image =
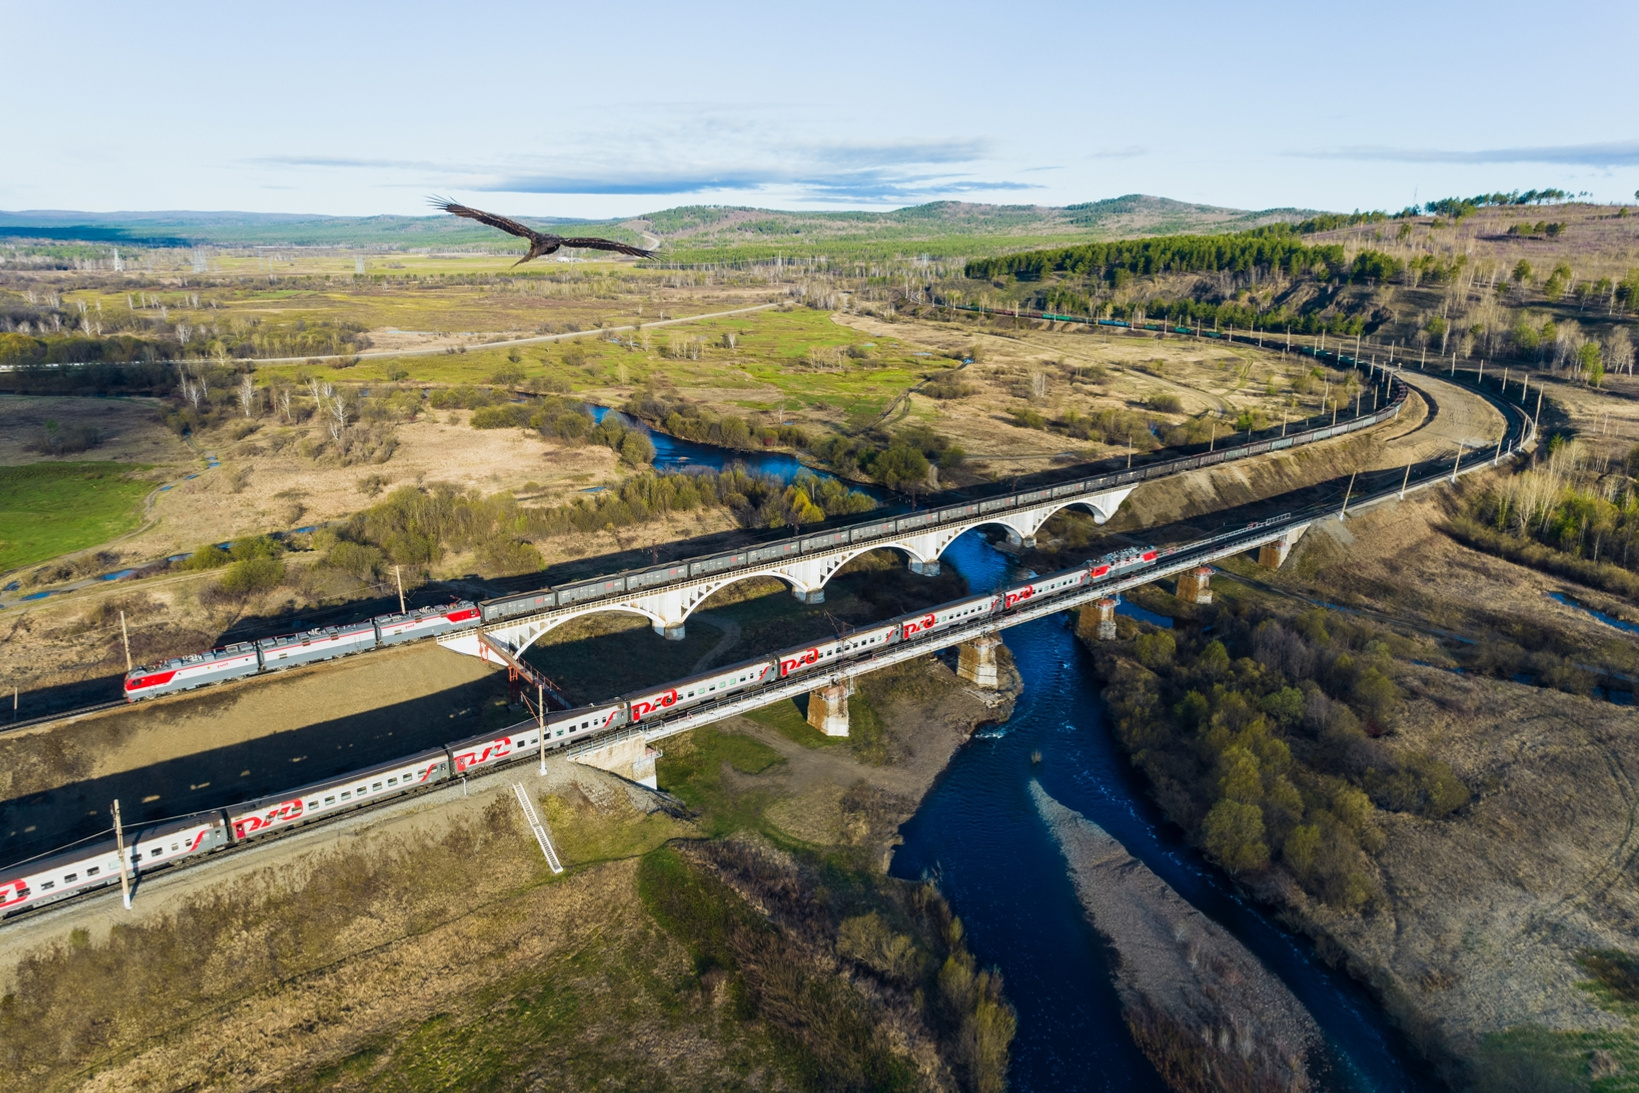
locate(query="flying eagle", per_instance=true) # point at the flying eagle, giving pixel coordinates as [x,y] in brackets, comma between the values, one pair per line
[539,242]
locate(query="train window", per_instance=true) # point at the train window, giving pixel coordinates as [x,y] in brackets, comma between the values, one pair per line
[71,878]
[330,800]
[376,786]
[156,852]
[93,871]
[47,885]
[347,795]
[392,781]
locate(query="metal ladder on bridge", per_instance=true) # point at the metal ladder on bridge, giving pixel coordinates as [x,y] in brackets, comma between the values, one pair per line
[537,827]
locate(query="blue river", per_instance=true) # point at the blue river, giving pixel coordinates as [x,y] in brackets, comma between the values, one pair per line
[979,835]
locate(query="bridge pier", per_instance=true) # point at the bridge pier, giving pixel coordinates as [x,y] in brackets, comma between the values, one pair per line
[828,708]
[976,662]
[670,632]
[925,569]
[1106,618]
[802,596]
[1195,585]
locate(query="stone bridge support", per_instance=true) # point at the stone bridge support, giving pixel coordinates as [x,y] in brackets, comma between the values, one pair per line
[976,662]
[1106,618]
[1195,585]
[828,708]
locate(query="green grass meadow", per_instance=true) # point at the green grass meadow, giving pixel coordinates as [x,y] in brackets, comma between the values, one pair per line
[47,509]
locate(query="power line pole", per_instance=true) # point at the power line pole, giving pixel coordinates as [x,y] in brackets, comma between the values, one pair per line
[1344,511]
[400,582]
[540,721]
[125,635]
[119,843]
[1405,480]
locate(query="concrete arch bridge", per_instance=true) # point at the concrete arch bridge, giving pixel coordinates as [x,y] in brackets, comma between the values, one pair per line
[808,566]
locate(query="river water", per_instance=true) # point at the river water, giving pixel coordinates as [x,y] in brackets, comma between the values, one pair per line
[995,860]
[674,454]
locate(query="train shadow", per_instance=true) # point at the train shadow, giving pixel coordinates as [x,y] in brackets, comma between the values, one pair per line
[218,777]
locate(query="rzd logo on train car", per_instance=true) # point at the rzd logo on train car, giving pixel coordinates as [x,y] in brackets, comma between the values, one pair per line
[279,814]
[916,626]
[801,660]
[647,706]
[13,892]
[495,749]
[1021,595]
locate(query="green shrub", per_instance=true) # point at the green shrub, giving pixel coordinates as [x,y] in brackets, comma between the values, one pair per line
[361,560]
[206,557]
[255,574]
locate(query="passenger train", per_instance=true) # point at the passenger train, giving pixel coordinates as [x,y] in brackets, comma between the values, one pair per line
[246,658]
[154,846]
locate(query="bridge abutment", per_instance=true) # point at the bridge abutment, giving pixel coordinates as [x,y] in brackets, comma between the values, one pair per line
[1273,554]
[630,758]
[828,708]
[976,662]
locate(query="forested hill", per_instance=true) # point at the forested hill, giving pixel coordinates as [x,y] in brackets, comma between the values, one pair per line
[690,230]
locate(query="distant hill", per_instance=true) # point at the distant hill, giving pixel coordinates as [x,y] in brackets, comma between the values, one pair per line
[691,232]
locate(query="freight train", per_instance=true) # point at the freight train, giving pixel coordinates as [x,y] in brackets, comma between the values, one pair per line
[154,846]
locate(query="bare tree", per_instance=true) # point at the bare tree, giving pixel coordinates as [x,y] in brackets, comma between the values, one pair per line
[339,409]
[247,394]
[1619,350]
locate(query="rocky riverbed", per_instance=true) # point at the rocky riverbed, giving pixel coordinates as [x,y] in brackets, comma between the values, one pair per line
[1203,1009]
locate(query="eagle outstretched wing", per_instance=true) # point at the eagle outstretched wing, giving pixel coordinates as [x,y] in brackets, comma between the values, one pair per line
[594,243]
[539,242]
[511,227]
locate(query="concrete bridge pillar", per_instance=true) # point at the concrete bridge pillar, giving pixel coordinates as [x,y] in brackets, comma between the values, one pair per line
[925,569]
[828,708]
[805,596]
[670,631]
[976,661]
[1106,618]
[1272,555]
[1195,585]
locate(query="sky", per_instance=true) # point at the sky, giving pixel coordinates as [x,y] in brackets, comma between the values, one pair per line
[609,109]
